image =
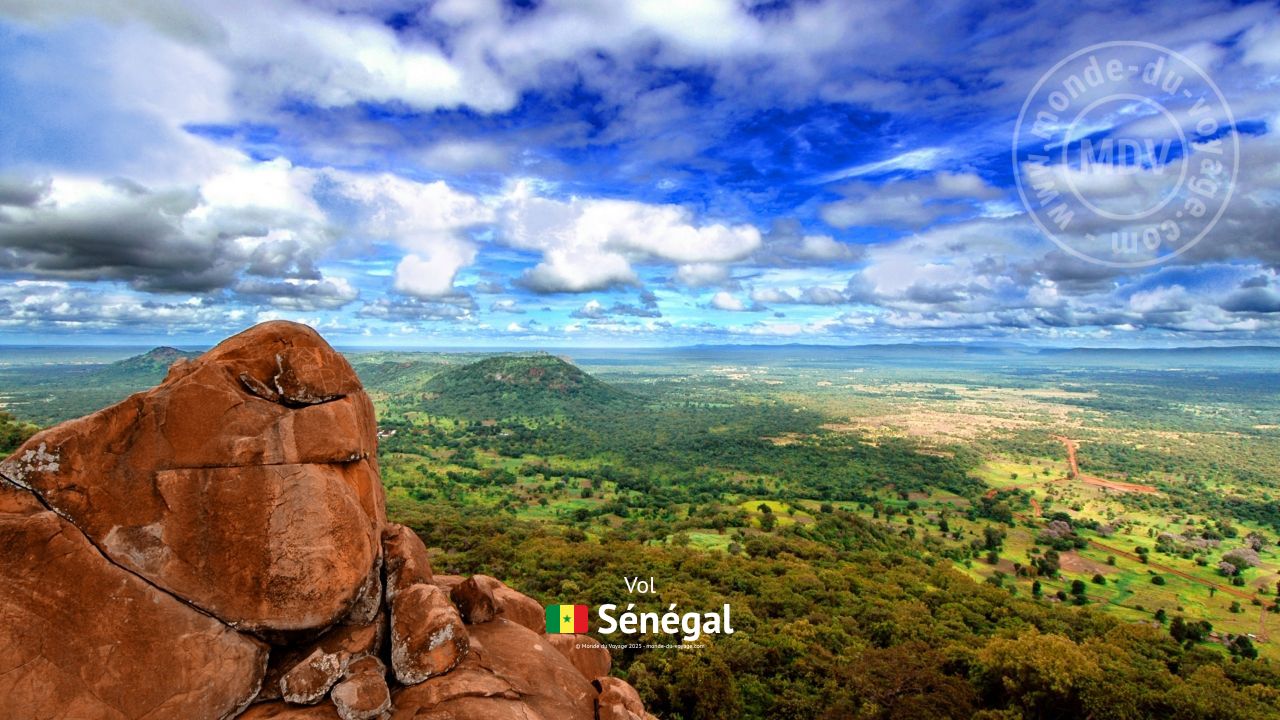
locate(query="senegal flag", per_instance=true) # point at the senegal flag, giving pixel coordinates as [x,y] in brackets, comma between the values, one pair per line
[566,618]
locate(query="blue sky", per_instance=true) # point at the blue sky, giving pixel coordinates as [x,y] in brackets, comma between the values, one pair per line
[592,173]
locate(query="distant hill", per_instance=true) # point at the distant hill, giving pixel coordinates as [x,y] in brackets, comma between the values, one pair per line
[513,385]
[143,370]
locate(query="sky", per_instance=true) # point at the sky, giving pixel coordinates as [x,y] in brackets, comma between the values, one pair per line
[592,173]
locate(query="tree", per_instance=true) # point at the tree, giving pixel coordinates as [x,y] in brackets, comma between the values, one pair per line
[1098,579]
[768,521]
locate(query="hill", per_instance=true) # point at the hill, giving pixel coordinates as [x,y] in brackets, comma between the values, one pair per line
[282,620]
[519,385]
[143,370]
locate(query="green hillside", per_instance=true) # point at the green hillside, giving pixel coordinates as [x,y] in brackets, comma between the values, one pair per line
[519,385]
[142,371]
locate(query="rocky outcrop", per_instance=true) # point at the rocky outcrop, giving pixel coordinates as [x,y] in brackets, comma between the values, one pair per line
[584,653]
[263,509]
[81,637]
[511,672]
[481,598]
[217,547]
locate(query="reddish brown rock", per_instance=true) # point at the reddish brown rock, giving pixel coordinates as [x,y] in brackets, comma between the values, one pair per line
[82,638]
[346,641]
[584,652]
[406,558]
[309,681]
[481,598]
[447,582]
[363,693]
[283,711]
[245,484]
[618,701]
[510,673]
[427,634]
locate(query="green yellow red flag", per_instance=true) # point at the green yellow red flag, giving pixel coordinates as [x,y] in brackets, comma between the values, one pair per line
[566,618]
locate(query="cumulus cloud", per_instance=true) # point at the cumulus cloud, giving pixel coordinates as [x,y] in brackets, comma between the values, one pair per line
[506,305]
[412,309]
[429,220]
[595,310]
[54,306]
[698,275]
[787,245]
[590,244]
[253,218]
[724,300]
[909,203]
[299,294]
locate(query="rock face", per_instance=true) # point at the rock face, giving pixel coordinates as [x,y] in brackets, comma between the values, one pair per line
[217,547]
[245,484]
[481,598]
[427,634]
[511,672]
[79,637]
[584,653]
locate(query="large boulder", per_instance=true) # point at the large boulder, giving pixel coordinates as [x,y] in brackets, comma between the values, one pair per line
[245,484]
[427,635]
[511,672]
[345,642]
[82,638]
[216,547]
[618,701]
[363,692]
[584,652]
[407,561]
[481,598]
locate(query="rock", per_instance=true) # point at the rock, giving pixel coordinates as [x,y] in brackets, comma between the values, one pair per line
[407,560]
[447,582]
[369,600]
[481,598]
[82,638]
[309,681]
[618,700]
[584,652]
[510,673]
[220,540]
[265,512]
[363,694]
[348,642]
[283,711]
[427,634]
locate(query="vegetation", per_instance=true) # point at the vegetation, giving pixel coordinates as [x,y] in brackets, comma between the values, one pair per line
[13,433]
[899,534]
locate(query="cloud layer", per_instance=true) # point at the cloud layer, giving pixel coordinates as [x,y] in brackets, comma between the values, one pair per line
[594,172]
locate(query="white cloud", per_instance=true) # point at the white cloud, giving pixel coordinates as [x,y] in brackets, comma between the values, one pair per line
[506,305]
[696,275]
[250,217]
[427,219]
[727,301]
[464,156]
[431,274]
[771,296]
[909,203]
[589,244]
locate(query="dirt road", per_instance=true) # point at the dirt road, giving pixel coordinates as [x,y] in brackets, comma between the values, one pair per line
[1116,485]
[1229,590]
